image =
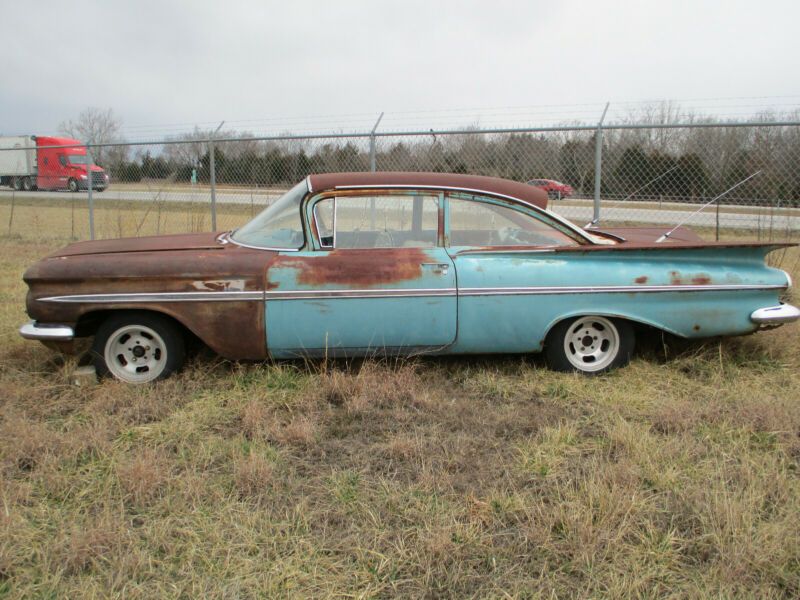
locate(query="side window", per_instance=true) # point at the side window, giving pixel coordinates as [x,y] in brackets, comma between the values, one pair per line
[323,218]
[62,159]
[391,221]
[480,223]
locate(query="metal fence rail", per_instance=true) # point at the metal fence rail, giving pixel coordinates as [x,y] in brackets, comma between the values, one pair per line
[609,174]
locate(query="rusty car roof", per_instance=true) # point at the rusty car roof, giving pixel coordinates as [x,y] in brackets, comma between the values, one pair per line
[476,183]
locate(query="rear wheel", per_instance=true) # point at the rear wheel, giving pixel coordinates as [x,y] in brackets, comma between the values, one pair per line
[16,183]
[138,347]
[590,344]
[27,184]
[72,185]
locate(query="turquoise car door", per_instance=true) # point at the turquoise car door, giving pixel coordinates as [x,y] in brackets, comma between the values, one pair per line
[500,253]
[375,278]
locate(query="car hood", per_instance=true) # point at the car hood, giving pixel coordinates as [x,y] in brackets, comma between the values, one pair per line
[155,243]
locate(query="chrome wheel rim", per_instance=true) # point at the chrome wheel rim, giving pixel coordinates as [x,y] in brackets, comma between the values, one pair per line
[591,343]
[135,354]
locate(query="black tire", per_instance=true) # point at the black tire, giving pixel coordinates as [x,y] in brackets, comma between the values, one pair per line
[579,344]
[156,351]
[72,185]
[16,183]
[27,184]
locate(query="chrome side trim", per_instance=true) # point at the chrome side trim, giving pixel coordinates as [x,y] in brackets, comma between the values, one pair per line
[775,315]
[260,296]
[608,289]
[308,184]
[158,297]
[57,333]
[380,293]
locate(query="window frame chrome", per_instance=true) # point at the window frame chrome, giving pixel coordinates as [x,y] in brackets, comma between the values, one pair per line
[549,214]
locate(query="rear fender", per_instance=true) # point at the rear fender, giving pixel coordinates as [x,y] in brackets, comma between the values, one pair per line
[633,318]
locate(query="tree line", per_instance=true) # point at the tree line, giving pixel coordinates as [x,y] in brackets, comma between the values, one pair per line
[688,163]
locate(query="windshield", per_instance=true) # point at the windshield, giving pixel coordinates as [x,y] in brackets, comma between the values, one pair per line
[279,226]
[76,159]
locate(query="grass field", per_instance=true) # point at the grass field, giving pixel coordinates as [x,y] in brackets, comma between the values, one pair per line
[462,477]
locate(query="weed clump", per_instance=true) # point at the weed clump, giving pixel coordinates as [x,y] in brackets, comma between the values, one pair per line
[374,385]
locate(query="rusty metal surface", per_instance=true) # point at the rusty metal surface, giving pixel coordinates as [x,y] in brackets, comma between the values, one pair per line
[352,267]
[490,185]
[185,241]
[625,246]
[649,234]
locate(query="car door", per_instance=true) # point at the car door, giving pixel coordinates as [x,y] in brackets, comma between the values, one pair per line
[374,277]
[503,259]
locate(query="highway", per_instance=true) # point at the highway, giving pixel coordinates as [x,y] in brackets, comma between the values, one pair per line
[579,211]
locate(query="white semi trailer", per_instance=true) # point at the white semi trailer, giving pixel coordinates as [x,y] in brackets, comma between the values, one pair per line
[18,161]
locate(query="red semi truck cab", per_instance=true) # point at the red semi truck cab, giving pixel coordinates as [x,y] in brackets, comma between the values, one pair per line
[29,163]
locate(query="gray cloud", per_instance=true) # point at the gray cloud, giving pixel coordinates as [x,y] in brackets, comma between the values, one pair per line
[165,63]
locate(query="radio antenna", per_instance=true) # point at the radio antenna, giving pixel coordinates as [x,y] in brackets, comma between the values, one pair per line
[730,189]
[594,222]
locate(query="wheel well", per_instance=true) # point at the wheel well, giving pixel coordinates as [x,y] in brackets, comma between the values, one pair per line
[89,322]
[639,326]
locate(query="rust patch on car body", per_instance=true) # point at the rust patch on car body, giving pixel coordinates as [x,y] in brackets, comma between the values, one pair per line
[361,267]
[642,279]
[701,280]
[234,329]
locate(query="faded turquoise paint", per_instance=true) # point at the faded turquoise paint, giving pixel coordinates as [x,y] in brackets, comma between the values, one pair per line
[473,323]
[519,323]
[318,325]
[356,326]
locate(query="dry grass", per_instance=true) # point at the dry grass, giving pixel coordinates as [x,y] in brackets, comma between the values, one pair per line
[452,477]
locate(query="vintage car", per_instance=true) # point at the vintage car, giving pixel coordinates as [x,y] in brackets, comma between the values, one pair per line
[555,189]
[356,263]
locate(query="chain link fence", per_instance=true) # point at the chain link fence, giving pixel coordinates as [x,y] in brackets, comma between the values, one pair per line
[617,174]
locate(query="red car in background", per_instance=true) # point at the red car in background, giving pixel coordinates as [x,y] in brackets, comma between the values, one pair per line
[555,189]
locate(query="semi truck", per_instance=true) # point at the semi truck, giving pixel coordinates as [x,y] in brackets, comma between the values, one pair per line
[32,162]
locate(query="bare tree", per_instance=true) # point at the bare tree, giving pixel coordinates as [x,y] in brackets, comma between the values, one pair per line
[95,126]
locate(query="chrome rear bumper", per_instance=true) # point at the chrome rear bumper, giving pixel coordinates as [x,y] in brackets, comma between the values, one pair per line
[55,333]
[775,315]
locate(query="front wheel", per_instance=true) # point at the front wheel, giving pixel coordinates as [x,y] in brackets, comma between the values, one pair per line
[72,185]
[138,347]
[590,345]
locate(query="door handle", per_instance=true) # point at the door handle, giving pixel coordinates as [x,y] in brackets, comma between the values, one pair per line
[440,268]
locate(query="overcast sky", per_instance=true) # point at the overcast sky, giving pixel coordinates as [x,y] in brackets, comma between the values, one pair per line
[163,66]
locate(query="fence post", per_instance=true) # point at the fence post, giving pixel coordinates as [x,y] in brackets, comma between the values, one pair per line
[212,167]
[89,189]
[372,164]
[598,163]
